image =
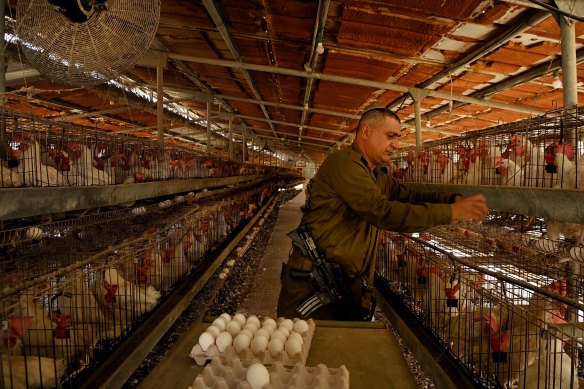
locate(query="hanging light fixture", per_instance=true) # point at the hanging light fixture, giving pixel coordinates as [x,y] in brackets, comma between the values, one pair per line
[319,46]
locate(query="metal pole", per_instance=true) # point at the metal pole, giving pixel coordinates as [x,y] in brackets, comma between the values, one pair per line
[418,110]
[208,128]
[568,27]
[160,103]
[3,135]
[230,145]
[243,144]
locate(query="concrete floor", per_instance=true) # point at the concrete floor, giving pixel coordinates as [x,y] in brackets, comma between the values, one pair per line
[263,297]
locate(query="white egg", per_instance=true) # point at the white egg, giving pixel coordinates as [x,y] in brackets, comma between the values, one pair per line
[33,233]
[269,329]
[205,340]
[230,263]
[222,276]
[301,326]
[241,342]
[240,319]
[268,321]
[275,346]
[233,328]
[226,317]
[225,270]
[292,347]
[251,327]
[278,335]
[223,341]
[262,332]
[257,376]
[219,323]
[297,337]
[214,330]
[247,332]
[280,319]
[284,330]
[287,323]
[259,344]
[253,319]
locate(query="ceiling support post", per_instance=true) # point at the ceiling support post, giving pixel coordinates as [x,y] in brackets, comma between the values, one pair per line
[418,95]
[208,127]
[160,103]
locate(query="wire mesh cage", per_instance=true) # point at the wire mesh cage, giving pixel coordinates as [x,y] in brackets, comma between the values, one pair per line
[73,290]
[543,151]
[508,319]
[43,153]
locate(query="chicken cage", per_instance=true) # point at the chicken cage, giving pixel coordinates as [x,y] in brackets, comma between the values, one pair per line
[41,153]
[73,290]
[542,152]
[510,314]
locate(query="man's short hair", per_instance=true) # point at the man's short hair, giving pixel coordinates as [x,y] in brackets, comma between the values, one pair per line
[375,115]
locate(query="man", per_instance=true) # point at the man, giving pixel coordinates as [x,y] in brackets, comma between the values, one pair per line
[352,197]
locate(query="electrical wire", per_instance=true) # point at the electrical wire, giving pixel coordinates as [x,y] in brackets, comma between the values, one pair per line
[556,9]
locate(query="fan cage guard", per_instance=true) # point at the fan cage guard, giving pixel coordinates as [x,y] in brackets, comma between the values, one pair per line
[88,53]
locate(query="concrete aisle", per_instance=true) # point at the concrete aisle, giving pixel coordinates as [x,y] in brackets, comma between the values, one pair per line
[263,297]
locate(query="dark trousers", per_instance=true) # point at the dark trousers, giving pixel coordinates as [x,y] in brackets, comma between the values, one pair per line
[294,291]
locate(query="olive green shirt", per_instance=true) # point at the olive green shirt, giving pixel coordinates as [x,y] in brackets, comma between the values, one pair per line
[349,202]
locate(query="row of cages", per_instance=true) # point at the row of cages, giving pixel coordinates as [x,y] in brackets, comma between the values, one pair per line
[540,152]
[40,153]
[511,315]
[72,291]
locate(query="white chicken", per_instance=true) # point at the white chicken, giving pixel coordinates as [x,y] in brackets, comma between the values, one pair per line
[511,174]
[554,369]
[30,169]
[9,178]
[86,169]
[128,295]
[28,372]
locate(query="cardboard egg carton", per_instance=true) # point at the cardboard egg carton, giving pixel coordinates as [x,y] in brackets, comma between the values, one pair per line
[231,374]
[247,354]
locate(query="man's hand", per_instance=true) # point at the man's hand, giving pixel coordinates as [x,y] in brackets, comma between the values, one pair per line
[472,208]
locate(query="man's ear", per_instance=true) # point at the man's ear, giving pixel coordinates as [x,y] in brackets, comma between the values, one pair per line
[366,129]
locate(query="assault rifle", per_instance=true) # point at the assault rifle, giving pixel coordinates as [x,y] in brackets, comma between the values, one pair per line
[327,279]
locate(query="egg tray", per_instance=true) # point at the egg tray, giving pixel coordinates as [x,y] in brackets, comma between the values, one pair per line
[231,374]
[201,357]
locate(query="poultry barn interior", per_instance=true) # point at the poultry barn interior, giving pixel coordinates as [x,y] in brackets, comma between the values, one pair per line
[154,154]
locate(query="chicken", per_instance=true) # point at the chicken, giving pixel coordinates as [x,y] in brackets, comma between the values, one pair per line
[9,178]
[554,368]
[30,372]
[87,168]
[126,294]
[530,160]
[566,171]
[511,174]
[30,169]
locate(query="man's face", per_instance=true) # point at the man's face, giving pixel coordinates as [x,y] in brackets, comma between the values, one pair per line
[382,142]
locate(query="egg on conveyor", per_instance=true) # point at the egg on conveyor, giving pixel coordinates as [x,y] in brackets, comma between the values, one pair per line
[222,276]
[220,323]
[296,336]
[226,317]
[205,340]
[259,344]
[233,328]
[240,319]
[241,342]
[223,341]
[257,376]
[275,346]
[301,326]
[287,323]
[292,347]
